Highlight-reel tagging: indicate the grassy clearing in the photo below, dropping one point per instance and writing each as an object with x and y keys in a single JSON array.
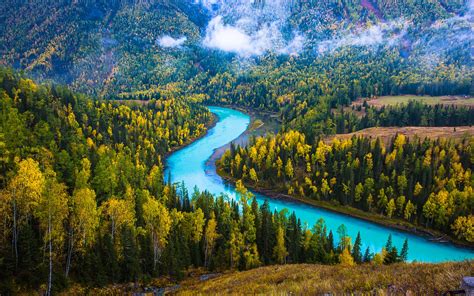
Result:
[
  {"x": 255, "y": 124},
  {"x": 387, "y": 133},
  {"x": 309, "y": 279},
  {"x": 394, "y": 100}
]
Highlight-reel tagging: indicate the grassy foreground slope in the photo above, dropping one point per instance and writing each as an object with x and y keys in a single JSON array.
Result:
[{"x": 406, "y": 279}]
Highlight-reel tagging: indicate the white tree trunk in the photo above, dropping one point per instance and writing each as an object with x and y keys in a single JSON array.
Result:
[
  {"x": 113, "y": 229},
  {"x": 50, "y": 278},
  {"x": 156, "y": 251},
  {"x": 15, "y": 234},
  {"x": 69, "y": 252}
]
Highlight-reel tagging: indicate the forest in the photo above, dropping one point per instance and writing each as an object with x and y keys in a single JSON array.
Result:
[
  {"x": 427, "y": 182},
  {"x": 83, "y": 198},
  {"x": 109, "y": 48}
]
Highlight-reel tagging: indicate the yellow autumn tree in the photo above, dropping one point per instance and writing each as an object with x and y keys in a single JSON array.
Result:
[
  {"x": 158, "y": 223},
  {"x": 51, "y": 212},
  {"x": 210, "y": 236},
  {"x": 253, "y": 175},
  {"x": 118, "y": 214},
  {"x": 279, "y": 251},
  {"x": 83, "y": 222},
  {"x": 22, "y": 196},
  {"x": 346, "y": 259},
  {"x": 463, "y": 228}
]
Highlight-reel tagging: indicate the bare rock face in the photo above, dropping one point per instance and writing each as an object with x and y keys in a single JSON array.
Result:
[{"x": 467, "y": 285}]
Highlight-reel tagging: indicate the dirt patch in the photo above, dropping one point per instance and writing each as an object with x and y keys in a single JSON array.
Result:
[{"x": 131, "y": 102}]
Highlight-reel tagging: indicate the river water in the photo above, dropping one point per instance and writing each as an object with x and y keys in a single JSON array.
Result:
[{"x": 189, "y": 165}]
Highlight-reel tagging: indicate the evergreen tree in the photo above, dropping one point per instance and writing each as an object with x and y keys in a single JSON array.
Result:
[
  {"x": 388, "y": 244},
  {"x": 265, "y": 243},
  {"x": 404, "y": 252},
  {"x": 330, "y": 242},
  {"x": 367, "y": 256},
  {"x": 357, "y": 249},
  {"x": 391, "y": 256}
]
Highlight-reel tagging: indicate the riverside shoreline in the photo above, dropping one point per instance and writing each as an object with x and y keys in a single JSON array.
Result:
[{"x": 432, "y": 235}]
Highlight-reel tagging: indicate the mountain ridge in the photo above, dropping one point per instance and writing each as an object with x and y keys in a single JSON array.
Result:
[{"x": 106, "y": 48}]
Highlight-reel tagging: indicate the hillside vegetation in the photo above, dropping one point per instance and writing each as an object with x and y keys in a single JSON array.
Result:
[
  {"x": 423, "y": 181},
  {"x": 112, "y": 47},
  {"x": 83, "y": 199},
  {"x": 305, "y": 279}
]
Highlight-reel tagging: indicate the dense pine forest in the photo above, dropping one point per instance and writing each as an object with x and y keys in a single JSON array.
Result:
[
  {"x": 69, "y": 162},
  {"x": 95, "y": 95}
]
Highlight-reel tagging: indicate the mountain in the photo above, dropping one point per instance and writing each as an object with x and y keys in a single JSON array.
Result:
[
  {"x": 112, "y": 47},
  {"x": 88, "y": 43}
]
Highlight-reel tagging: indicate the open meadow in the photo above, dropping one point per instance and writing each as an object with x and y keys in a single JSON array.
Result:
[{"x": 429, "y": 100}]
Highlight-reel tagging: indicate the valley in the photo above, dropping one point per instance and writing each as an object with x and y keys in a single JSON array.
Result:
[
  {"x": 236, "y": 147},
  {"x": 188, "y": 167}
]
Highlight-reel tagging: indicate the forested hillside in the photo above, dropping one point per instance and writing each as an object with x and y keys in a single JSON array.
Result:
[
  {"x": 304, "y": 50},
  {"x": 72, "y": 168}
]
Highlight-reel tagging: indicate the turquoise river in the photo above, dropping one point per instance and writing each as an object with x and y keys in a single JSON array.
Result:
[{"x": 190, "y": 165}]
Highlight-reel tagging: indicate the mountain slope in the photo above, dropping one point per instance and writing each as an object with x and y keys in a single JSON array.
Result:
[
  {"x": 110, "y": 47},
  {"x": 87, "y": 44}
]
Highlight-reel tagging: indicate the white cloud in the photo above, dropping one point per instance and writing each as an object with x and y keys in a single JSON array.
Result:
[
  {"x": 234, "y": 38},
  {"x": 168, "y": 41},
  {"x": 295, "y": 46},
  {"x": 243, "y": 28},
  {"x": 206, "y": 3},
  {"x": 447, "y": 34},
  {"x": 227, "y": 38},
  {"x": 381, "y": 34}
]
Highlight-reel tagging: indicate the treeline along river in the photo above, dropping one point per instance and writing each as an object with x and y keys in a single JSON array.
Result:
[{"x": 190, "y": 165}]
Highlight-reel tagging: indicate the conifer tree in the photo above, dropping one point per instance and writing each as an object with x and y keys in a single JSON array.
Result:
[
  {"x": 357, "y": 249},
  {"x": 367, "y": 256},
  {"x": 404, "y": 251}
]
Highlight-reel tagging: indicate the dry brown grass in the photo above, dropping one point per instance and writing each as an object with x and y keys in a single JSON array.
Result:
[
  {"x": 393, "y": 100},
  {"x": 131, "y": 102},
  {"x": 387, "y": 133},
  {"x": 308, "y": 279}
]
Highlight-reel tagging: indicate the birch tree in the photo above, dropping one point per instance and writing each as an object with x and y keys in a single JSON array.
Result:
[
  {"x": 83, "y": 223},
  {"x": 118, "y": 213},
  {"x": 210, "y": 237},
  {"x": 23, "y": 193},
  {"x": 52, "y": 211},
  {"x": 158, "y": 223}
]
